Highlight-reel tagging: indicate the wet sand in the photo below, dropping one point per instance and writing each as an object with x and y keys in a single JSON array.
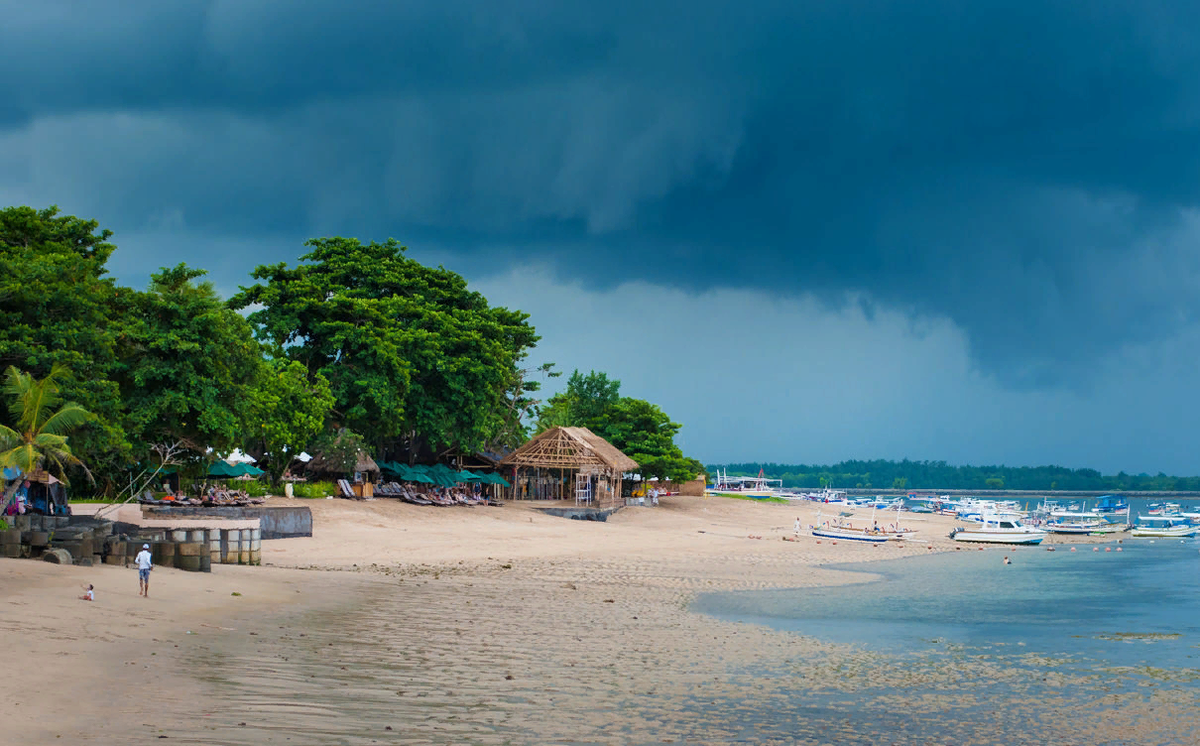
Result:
[{"x": 403, "y": 624}]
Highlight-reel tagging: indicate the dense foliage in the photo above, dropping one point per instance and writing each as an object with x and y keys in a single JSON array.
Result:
[
  {"x": 638, "y": 428},
  {"x": 358, "y": 346},
  {"x": 409, "y": 351},
  {"x": 938, "y": 475}
]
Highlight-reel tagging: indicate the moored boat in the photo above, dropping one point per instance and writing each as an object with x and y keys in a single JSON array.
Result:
[
  {"x": 999, "y": 530},
  {"x": 1163, "y": 526}
]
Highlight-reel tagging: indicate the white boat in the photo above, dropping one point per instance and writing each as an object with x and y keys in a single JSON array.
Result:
[
  {"x": 1163, "y": 526},
  {"x": 1084, "y": 528},
  {"x": 999, "y": 530},
  {"x": 849, "y": 534},
  {"x": 838, "y": 529},
  {"x": 757, "y": 487}
]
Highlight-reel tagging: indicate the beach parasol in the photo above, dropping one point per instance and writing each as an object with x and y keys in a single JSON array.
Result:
[{"x": 222, "y": 470}]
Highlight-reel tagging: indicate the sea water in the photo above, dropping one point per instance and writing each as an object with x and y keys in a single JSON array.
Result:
[{"x": 961, "y": 647}]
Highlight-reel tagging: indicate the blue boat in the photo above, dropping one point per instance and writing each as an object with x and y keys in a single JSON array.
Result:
[{"x": 1111, "y": 504}]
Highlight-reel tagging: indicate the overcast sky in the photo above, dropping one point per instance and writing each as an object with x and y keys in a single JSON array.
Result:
[{"x": 810, "y": 231}]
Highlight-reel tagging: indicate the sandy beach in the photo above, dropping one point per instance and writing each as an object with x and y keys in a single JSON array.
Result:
[{"x": 403, "y": 624}]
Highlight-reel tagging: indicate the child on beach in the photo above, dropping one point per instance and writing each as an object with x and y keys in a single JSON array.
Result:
[{"x": 89, "y": 593}]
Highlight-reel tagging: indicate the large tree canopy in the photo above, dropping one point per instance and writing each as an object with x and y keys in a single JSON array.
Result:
[
  {"x": 408, "y": 350},
  {"x": 188, "y": 364},
  {"x": 58, "y": 308}
]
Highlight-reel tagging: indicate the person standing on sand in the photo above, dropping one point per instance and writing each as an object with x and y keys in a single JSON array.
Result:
[
  {"x": 796, "y": 528},
  {"x": 144, "y": 566}
]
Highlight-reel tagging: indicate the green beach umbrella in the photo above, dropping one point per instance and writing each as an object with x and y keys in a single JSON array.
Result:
[{"x": 222, "y": 470}]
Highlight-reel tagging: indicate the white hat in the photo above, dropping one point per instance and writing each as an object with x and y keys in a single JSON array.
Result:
[{"x": 145, "y": 546}]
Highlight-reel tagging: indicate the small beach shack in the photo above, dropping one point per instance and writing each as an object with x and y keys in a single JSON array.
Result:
[{"x": 568, "y": 463}]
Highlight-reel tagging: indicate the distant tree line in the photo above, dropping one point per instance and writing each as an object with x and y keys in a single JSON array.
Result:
[{"x": 938, "y": 475}]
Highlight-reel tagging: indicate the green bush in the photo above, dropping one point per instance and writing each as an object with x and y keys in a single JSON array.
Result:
[
  {"x": 314, "y": 490},
  {"x": 3, "y": 525},
  {"x": 255, "y": 488}
]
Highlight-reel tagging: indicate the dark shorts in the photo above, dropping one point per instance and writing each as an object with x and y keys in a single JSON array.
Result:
[{"x": 144, "y": 574}]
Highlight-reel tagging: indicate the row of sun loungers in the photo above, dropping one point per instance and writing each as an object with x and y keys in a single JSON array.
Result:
[{"x": 441, "y": 497}]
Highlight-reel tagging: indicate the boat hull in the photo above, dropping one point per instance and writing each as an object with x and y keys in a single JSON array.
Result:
[
  {"x": 1164, "y": 533},
  {"x": 988, "y": 537},
  {"x": 849, "y": 535}
]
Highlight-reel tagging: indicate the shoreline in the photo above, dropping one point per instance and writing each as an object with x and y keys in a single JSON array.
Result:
[{"x": 481, "y": 613}]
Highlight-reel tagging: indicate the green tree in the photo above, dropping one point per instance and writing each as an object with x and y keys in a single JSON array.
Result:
[
  {"x": 586, "y": 402},
  {"x": 408, "y": 350},
  {"x": 188, "y": 364},
  {"x": 57, "y": 307},
  {"x": 39, "y": 439},
  {"x": 900, "y": 483},
  {"x": 287, "y": 411},
  {"x": 994, "y": 483},
  {"x": 643, "y": 432}
]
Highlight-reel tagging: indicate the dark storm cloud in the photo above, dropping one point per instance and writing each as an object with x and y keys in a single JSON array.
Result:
[{"x": 1027, "y": 169}]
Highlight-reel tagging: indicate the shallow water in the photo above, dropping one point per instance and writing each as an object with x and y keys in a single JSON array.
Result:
[{"x": 1031, "y": 651}]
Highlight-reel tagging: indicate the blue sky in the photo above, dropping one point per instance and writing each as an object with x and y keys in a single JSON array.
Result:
[{"x": 810, "y": 231}]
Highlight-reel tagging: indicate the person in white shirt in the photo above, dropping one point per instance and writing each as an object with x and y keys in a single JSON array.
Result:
[
  {"x": 796, "y": 528},
  {"x": 144, "y": 566},
  {"x": 88, "y": 593}
]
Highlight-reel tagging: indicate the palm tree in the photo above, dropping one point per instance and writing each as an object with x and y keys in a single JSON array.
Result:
[{"x": 40, "y": 437}]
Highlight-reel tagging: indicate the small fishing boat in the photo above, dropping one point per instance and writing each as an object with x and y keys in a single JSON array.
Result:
[
  {"x": 999, "y": 530},
  {"x": 840, "y": 529},
  {"x": 849, "y": 534},
  {"x": 1163, "y": 526},
  {"x": 1084, "y": 528}
]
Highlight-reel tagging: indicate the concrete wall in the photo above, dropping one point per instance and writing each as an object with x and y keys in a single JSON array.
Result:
[{"x": 275, "y": 523}]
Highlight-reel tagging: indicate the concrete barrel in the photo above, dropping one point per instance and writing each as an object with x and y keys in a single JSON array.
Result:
[
  {"x": 39, "y": 538},
  {"x": 10, "y": 536},
  {"x": 230, "y": 539},
  {"x": 197, "y": 535},
  {"x": 12, "y": 551},
  {"x": 163, "y": 553},
  {"x": 206, "y": 562},
  {"x": 190, "y": 549},
  {"x": 214, "y": 545},
  {"x": 255, "y": 546},
  {"x": 25, "y": 522},
  {"x": 57, "y": 557},
  {"x": 189, "y": 562},
  {"x": 179, "y": 535},
  {"x": 244, "y": 547}
]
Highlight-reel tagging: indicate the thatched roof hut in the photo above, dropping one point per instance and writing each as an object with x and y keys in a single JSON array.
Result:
[
  {"x": 323, "y": 463},
  {"x": 542, "y": 467}
]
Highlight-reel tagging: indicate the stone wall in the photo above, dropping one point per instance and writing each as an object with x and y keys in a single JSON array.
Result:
[{"x": 274, "y": 523}]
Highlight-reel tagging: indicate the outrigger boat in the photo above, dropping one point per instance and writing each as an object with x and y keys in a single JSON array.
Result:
[
  {"x": 757, "y": 487},
  {"x": 846, "y": 532},
  {"x": 1163, "y": 526}
]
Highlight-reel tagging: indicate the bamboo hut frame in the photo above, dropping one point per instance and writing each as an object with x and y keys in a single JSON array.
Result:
[{"x": 543, "y": 468}]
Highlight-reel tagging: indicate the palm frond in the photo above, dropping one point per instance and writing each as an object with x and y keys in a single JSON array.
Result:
[{"x": 68, "y": 417}]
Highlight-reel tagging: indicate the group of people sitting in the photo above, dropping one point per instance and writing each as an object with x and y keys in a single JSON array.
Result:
[
  {"x": 210, "y": 494},
  {"x": 431, "y": 495}
]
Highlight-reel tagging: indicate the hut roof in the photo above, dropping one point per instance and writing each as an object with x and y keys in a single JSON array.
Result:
[
  {"x": 570, "y": 448},
  {"x": 321, "y": 465}
]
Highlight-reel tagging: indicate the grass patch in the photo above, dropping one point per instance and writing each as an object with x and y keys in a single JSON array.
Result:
[
  {"x": 777, "y": 500},
  {"x": 314, "y": 490}
]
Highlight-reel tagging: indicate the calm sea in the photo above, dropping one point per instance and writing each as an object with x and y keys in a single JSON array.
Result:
[{"x": 1084, "y": 646}]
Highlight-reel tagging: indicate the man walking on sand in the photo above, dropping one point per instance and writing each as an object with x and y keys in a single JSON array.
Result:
[{"x": 144, "y": 566}]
